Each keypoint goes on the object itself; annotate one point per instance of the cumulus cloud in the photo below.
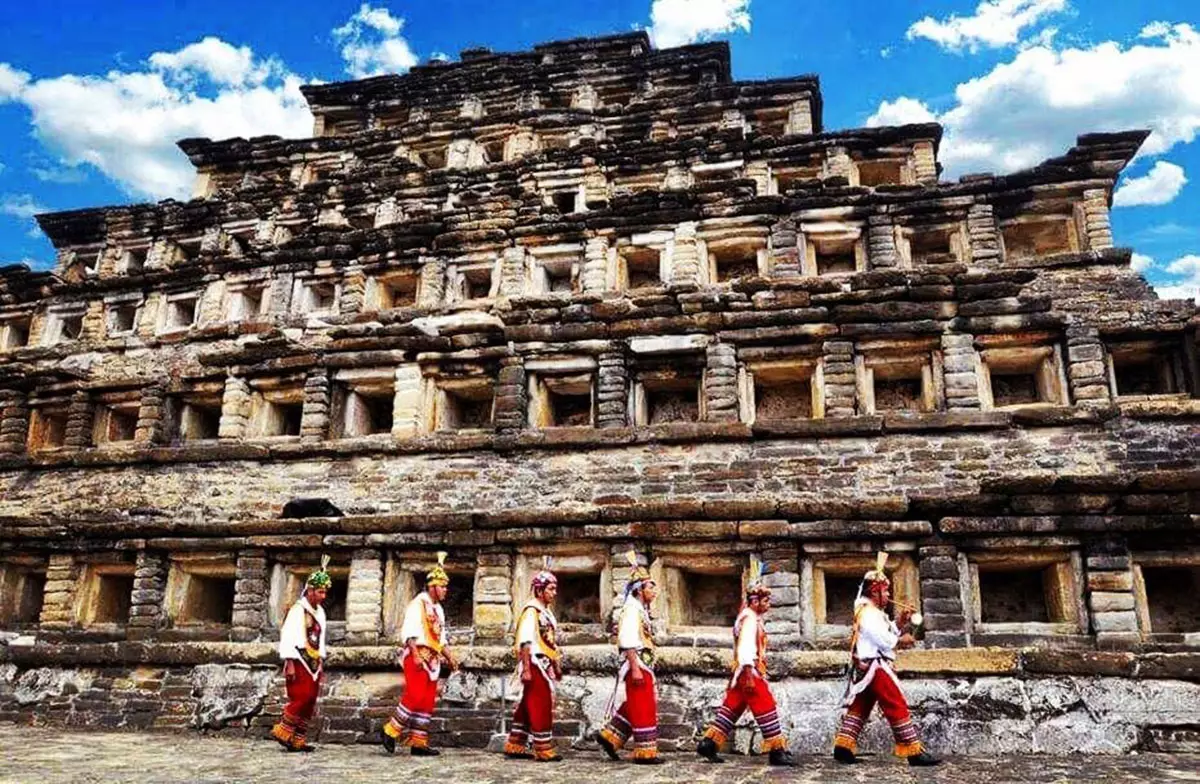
(372, 45)
(1032, 108)
(1140, 262)
(21, 206)
(996, 23)
(1158, 186)
(1186, 279)
(680, 22)
(902, 111)
(126, 123)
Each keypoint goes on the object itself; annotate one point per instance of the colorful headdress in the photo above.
(320, 578)
(876, 576)
(638, 574)
(755, 587)
(437, 575)
(544, 578)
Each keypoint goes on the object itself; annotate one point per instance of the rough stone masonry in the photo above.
(579, 299)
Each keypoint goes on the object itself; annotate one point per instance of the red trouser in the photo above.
(750, 691)
(638, 717)
(534, 717)
(302, 691)
(409, 723)
(885, 690)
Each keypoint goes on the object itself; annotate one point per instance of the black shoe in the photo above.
(519, 755)
(389, 743)
(924, 760)
(555, 758)
(649, 761)
(608, 748)
(844, 755)
(782, 758)
(305, 749)
(707, 748)
(425, 751)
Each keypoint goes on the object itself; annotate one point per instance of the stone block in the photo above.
(1115, 621)
(1106, 601)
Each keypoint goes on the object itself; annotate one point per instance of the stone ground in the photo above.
(48, 756)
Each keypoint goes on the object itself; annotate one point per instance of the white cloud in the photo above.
(1186, 284)
(996, 23)
(1158, 186)
(372, 45)
(1140, 262)
(126, 123)
(902, 111)
(680, 22)
(1032, 108)
(21, 206)
(61, 175)
(12, 82)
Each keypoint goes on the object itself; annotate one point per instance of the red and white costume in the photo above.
(748, 687)
(637, 716)
(873, 681)
(534, 717)
(425, 623)
(302, 642)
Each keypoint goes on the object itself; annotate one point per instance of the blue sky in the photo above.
(93, 94)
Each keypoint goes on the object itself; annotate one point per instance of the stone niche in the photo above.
(899, 376)
(640, 266)
(22, 590)
(459, 397)
(289, 571)
(782, 389)
(829, 585)
(669, 392)
(404, 578)
(1024, 592)
(121, 315)
(925, 245)
(200, 590)
(48, 416)
(276, 406)
(556, 269)
(1145, 368)
(562, 392)
(115, 417)
(1020, 371)
(104, 593)
(14, 332)
(363, 402)
(246, 300)
(133, 258)
(1037, 236)
(472, 279)
(194, 414)
(884, 171)
(833, 249)
(1165, 586)
(62, 324)
(315, 294)
(736, 257)
(393, 289)
(178, 312)
(788, 176)
(701, 589)
(585, 599)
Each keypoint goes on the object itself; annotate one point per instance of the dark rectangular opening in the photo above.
(209, 600)
(578, 598)
(898, 394)
(135, 259)
(710, 598)
(16, 334)
(72, 326)
(459, 604)
(368, 411)
(641, 267)
(874, 173)
(734, 262)
(397, 291)
(1171, 593)
(199, 420)
(468, 407)
(840, 593)
(123, 318)
(30, 597)
(1013, 596)
(783, 396)
(836, 258)
(113, 597)
(1011, 389)
(283, 419)
(122, 424)
(48, 429)
(1144, 374)
(565, 201)
(477, 283)
(932, 246)
(672, 400)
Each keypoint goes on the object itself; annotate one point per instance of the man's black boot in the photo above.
(425, 751)
(608, 748)
(707, 748)
(389, 743)
(923, 760)
(782, 758)
(844, 755)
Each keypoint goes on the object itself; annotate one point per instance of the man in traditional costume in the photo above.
(638, 715)
(539, 666)
(748, 686)
(302, 648)
(872, 677)
(425, 654)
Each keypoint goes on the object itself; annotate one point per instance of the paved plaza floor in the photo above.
(51, 756)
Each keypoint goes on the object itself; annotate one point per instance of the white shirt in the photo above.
(746, 648)
(292, 638)
(629, 624)
(414, 621)
(877, 634)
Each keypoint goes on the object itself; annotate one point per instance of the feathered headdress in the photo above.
(638, 574)
(437, 575)
(545, 577)
(320, 578)
(875, 575)
(755, 587)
